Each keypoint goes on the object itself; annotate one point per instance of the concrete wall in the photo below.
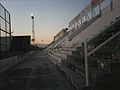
(5, 44)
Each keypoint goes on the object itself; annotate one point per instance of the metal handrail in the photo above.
(105, 42)
(107, 27)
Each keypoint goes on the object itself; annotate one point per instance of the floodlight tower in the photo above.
(33, 29)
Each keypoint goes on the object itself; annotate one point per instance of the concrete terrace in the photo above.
(36, 72)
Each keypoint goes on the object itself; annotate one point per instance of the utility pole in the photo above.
(33, 29)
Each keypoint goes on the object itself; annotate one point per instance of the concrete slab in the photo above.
(36, 72)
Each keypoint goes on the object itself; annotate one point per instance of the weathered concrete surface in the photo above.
(9, 62)
(36, 72)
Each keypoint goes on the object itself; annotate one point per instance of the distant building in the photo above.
(5, 29)
(20, 43)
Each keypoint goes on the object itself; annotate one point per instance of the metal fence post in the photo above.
(86, 64)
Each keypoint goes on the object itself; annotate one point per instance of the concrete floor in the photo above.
(36, 72)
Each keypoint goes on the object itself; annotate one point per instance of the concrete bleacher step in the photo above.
(71, 49)
(77, 53)
(66, 52)
(60, 55)
(75, 57)
(58, 59)
(77, 80)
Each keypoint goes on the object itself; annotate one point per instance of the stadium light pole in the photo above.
(33, 29)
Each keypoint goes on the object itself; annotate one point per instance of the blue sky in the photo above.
(51, 16)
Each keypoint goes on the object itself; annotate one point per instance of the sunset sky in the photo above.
(51, 16)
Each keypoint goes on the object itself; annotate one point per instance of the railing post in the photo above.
(111, 5)
(86, 64)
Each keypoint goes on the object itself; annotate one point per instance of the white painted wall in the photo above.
(98, 25)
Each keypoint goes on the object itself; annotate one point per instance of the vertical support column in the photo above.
(0, 39)
(10, 30)
(74, 25)
(5, 30)
(86, 64)
(77, 25)
(81, 21)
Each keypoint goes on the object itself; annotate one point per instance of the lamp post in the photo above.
(33, 29)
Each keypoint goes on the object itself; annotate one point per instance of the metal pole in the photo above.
(10, 29)
(33, 31)
(111, 5)
(86, 64)
(0, 39)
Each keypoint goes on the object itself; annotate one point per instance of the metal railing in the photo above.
(87, 54)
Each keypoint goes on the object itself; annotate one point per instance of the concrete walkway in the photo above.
(36, 72)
